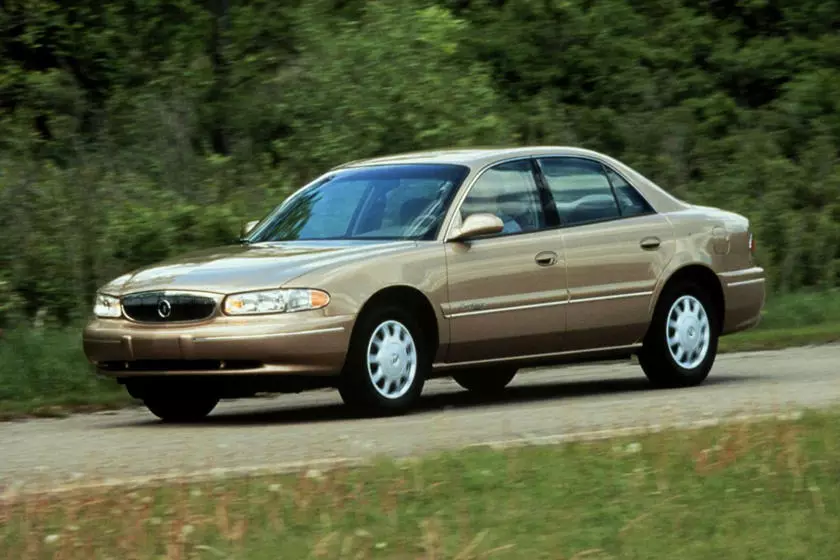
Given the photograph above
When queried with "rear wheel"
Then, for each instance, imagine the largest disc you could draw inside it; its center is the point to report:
(387, 363)
(181, 408)
(487, 381)
(681, 344)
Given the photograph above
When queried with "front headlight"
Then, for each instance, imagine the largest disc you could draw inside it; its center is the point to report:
(107, 306)
(275, 301)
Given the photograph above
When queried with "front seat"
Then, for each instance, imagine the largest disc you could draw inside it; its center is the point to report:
(411, 209)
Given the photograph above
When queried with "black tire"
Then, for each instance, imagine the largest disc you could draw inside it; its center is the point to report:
(488, 381)
(659, 364)
(356, 386)
(177, 408)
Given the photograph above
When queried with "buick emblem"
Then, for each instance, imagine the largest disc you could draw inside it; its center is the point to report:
(164, 309)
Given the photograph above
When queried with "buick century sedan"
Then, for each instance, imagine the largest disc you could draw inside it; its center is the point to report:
(466, 263)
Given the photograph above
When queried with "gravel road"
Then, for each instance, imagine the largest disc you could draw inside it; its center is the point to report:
(540, 405)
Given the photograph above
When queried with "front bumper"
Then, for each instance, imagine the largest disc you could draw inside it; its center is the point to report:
(744, 293)
(295, 343)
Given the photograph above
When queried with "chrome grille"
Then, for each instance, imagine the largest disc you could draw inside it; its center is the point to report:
(167, 307)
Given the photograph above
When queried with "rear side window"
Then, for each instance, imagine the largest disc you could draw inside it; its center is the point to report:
(581, 190)
(629, 200)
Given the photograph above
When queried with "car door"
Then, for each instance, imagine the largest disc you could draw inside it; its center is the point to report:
(616, 247)
(506, 291)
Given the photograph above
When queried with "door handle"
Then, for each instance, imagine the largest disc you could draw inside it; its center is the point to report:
(650, 243)
(546, 258)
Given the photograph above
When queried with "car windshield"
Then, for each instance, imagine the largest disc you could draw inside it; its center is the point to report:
(404, 201)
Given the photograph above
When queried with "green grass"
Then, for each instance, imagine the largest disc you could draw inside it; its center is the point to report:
(775, 339)
(791, 320)
(46, 373)
(760, 490)
(801, 309)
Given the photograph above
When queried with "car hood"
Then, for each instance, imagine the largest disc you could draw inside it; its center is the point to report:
(247, 267)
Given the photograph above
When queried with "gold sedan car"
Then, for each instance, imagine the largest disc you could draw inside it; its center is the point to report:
(470, 263)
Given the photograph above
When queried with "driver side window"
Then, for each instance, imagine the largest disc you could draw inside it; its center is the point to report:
(509, 191)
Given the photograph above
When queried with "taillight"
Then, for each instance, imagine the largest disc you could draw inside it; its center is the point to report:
(752, 243)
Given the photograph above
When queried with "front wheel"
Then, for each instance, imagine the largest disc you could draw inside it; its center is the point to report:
(387, 363)
(180, 408)
(681, 344)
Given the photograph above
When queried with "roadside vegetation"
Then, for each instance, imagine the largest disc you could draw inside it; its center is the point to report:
(132, 134)
(789, 320)
(45, 373)
(135, 132)
(736, 491)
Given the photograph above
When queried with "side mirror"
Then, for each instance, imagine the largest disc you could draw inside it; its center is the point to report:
(246, 229)
(477, 224)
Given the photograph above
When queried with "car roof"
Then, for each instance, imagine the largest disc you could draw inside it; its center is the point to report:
(478, 158)
(471, 157)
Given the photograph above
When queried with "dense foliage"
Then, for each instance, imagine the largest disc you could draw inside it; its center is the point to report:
(133, 129)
